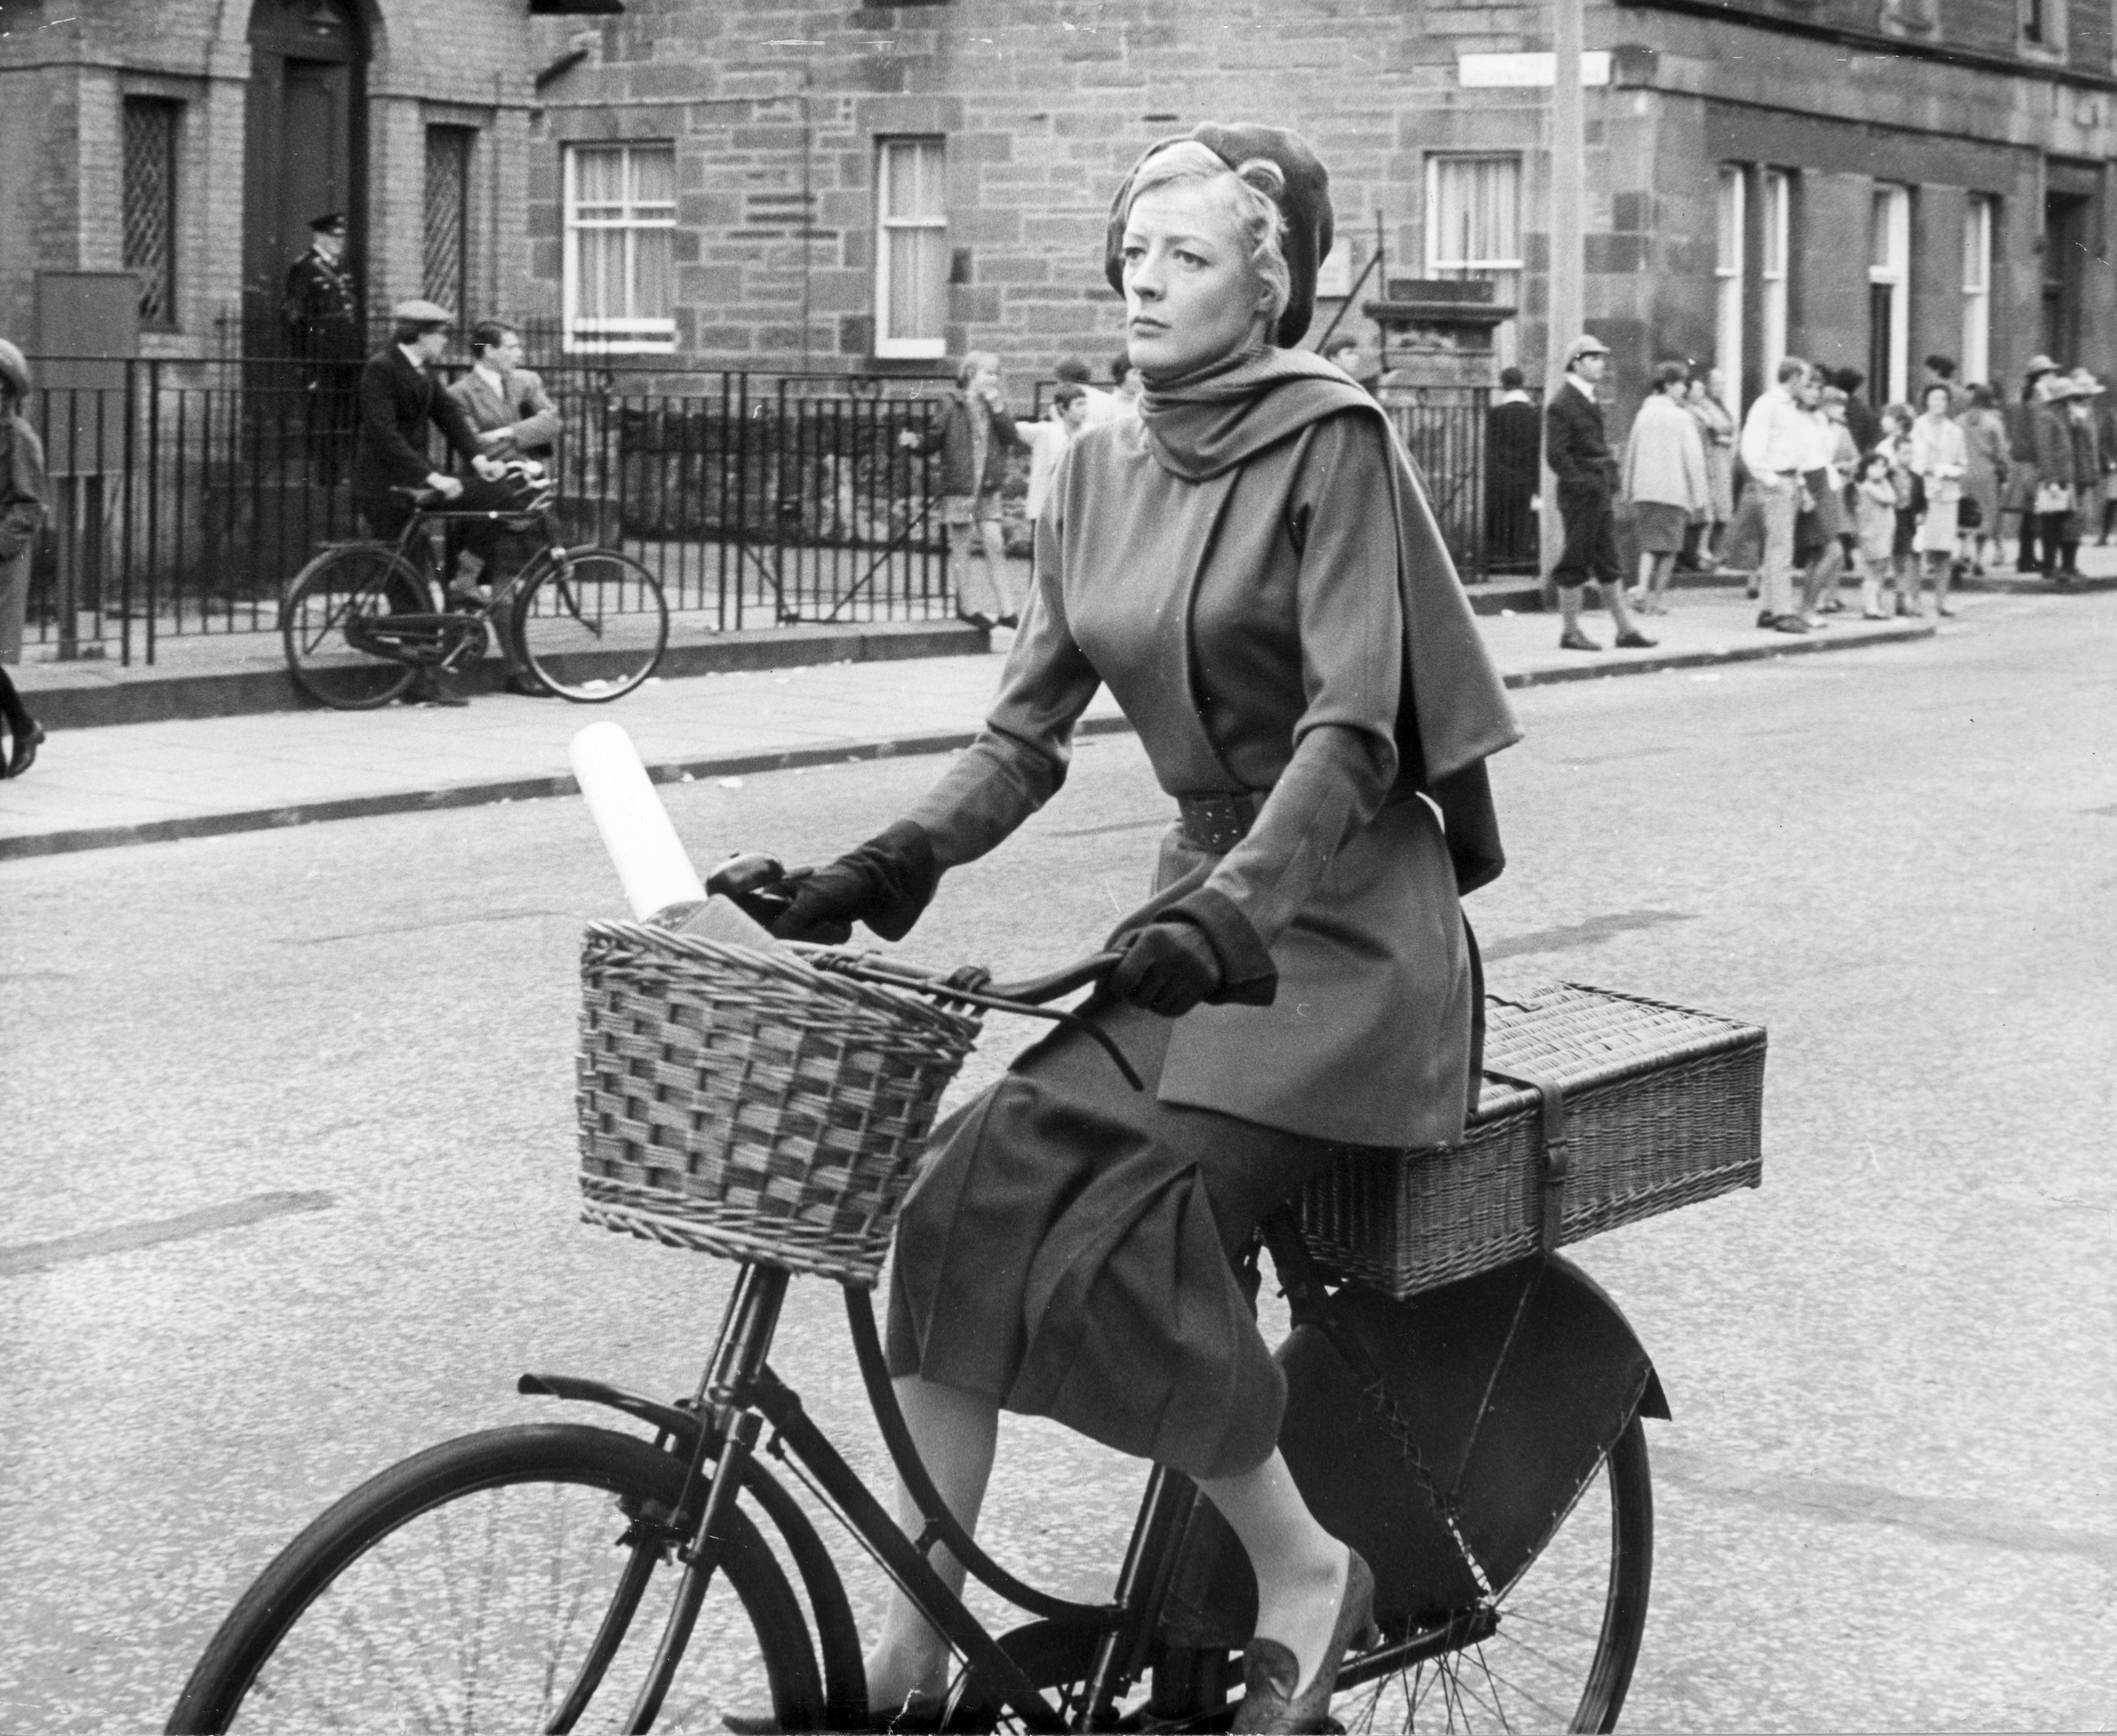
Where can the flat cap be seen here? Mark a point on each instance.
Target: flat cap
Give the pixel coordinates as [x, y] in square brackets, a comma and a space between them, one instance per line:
[331, 222]
[422, 312]
[2040, 365]
[1586, 345]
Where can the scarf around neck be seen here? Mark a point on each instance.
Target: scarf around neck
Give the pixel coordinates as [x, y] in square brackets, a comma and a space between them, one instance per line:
[1202, 425]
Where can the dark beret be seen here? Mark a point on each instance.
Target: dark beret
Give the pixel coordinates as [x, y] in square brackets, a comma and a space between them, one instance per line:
[1305, 204]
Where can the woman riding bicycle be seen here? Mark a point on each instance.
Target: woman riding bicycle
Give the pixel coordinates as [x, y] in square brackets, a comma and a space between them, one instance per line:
[1252, 569]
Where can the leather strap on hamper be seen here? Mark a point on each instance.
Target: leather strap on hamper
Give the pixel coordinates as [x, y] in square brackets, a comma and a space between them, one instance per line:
[1556, 1154]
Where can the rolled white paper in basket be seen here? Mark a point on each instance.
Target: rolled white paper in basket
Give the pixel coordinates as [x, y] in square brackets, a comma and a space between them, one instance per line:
[649, 857]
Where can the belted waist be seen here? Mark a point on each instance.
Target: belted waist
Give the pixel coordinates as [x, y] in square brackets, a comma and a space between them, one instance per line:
[1220, 819]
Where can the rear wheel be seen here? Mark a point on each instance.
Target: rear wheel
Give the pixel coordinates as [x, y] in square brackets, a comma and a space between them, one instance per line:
[517, 1581]
[339, 586]
[1565, 1635]
[591, 625]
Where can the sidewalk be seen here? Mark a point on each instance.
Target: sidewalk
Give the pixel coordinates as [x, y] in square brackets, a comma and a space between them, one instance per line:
[187, 778]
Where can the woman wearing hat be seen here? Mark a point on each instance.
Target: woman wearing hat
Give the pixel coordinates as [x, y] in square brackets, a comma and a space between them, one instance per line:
[25, 497]
[2019, 502]
[2056, 501]
[2089, 461]
[1251, 567]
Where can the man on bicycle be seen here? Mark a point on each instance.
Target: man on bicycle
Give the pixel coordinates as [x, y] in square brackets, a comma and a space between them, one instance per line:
[399, 399]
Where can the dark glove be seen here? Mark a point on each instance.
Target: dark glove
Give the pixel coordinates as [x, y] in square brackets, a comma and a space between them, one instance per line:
[1168, 968]
[887, 882]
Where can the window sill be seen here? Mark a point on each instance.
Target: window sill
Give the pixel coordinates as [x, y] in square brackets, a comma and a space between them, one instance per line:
[911, 349]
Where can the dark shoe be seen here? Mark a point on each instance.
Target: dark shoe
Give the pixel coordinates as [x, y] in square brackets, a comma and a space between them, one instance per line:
[982, 623]
[1576, 640]
[1765, 618]
[1788, 624]
[527, 685]
[1635, 640]
[1009, 621]
[1269, 1706]
[27, 742]
[436, 695]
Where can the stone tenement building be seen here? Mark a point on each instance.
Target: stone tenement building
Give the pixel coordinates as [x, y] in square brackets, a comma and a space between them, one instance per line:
[869, 189]
[789, 185]
[189, 141]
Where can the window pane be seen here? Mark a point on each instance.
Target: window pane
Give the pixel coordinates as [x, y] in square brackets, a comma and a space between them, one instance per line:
[1729, 255]
[599, 176]
[654, 286]
[654, 174]
[918, 282]
[1475, 219]
[601, 292]
[149, 214]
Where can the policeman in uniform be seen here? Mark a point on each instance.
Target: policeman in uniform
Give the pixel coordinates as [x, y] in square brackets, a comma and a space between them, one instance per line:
[322, 306]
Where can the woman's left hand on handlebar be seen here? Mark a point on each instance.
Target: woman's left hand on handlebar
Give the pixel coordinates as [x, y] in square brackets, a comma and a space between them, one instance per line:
[1169, 968]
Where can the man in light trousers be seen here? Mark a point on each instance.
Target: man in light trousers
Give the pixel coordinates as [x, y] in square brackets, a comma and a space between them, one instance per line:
[1775, 436]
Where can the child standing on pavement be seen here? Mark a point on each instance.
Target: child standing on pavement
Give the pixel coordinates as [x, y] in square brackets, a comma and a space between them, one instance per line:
[1875, 528]
[1896, 445]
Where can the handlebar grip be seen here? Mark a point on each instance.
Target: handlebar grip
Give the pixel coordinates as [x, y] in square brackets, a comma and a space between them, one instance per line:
[1035, 991]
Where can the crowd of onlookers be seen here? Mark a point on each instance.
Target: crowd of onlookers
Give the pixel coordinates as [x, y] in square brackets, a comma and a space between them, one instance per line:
[1817, 485]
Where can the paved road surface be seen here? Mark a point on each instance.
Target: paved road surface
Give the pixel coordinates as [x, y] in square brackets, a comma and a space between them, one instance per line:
[288, 1189]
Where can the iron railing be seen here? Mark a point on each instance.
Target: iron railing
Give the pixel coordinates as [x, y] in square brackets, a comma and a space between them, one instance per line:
[187, 494]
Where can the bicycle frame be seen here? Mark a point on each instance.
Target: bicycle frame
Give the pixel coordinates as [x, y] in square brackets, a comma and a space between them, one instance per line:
[718, 1430]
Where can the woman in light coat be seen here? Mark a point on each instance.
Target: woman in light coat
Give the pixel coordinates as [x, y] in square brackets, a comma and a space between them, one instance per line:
[1665, 478]
[1716, 427]
[1984, 445]
[1940, 458]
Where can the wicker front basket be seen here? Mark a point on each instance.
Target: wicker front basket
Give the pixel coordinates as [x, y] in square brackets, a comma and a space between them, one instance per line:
[745, 1103]
[1664, 1107]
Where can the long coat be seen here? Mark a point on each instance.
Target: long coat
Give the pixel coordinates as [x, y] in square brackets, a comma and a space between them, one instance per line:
[399, 400]
[1665, 458]
[1254, 622]
[956, 444]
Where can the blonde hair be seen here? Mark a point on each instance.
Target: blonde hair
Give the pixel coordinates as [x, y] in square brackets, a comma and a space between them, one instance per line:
[972, 361]
[1254, 190]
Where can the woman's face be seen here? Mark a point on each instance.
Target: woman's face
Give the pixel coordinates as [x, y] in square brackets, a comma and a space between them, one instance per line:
[1938, 398]
[1190, 295]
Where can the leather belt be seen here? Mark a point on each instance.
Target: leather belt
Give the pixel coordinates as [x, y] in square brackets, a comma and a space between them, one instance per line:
[1218, 821]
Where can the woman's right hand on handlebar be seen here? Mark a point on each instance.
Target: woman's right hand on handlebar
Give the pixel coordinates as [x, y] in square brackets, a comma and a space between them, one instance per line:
[885, 883]
[445, 485]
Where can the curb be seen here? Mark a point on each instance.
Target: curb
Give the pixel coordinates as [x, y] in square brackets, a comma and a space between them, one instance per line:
[734, 765]
[124, 696]
[1787, 646]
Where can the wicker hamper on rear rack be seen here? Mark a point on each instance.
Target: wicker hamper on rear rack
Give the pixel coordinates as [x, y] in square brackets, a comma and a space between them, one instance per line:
[1655, 1108]
[746, 1104]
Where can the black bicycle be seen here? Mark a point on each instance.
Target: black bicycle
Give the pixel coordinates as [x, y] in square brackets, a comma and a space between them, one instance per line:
[1481, 1445]
[360, 624]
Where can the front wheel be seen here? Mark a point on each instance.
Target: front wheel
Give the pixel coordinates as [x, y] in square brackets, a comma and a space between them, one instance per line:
[1563, 1637]
[516, 1580]
[592, 625]
[334, 593]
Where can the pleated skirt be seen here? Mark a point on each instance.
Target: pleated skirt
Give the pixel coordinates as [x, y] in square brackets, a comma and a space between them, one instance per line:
[1067, 1252]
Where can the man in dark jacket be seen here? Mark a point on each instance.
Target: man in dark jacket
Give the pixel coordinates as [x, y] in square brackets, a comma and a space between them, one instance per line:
[322, 308]
[399, 401]
[1513, 429]
[1578, 452]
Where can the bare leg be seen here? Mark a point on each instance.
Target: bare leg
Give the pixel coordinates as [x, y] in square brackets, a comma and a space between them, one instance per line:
[1300, 1567]
[1943, 573]
[955, 1434]
[1569, 610]
[1005, 601]
[1648, 562]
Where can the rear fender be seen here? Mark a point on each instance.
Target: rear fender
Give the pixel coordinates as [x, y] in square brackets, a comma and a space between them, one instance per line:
[1445, 1438]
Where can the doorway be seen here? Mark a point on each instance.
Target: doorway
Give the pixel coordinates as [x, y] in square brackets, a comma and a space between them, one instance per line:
[306, 150]
[2066, 249]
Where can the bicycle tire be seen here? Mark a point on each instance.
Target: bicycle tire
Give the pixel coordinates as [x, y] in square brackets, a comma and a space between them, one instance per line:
[369, 578]
[591, 625]
[1553, 1642]
[409, 1605]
